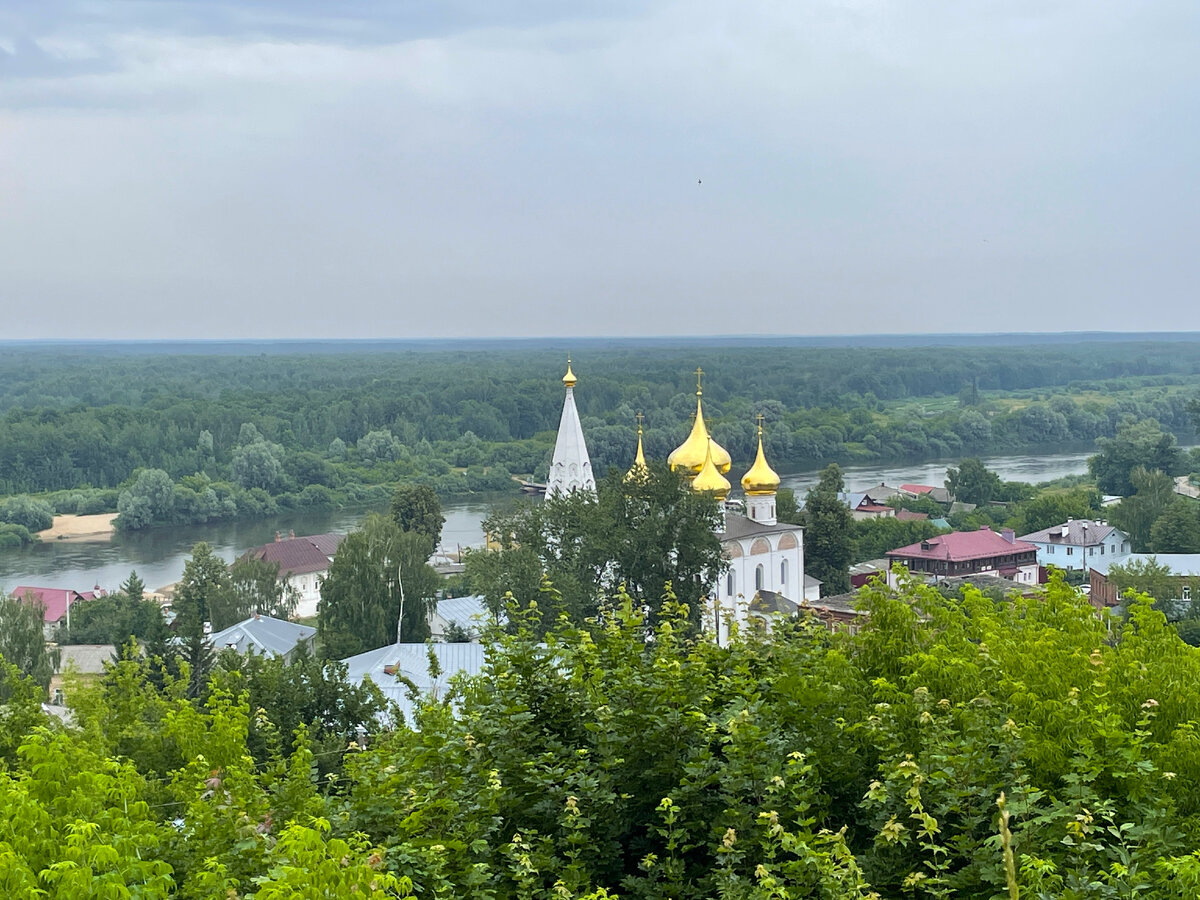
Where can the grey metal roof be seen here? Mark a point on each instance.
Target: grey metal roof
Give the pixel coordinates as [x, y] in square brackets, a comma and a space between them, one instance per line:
[466, 611]
[1080, 533]
[411, 660]
[740, 526]
[1178, 563]
[263, 634]
[88, 659]
[809, 581]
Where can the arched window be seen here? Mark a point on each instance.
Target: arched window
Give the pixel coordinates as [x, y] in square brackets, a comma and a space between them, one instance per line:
[729, 585]
[783, 572]
[758, 578]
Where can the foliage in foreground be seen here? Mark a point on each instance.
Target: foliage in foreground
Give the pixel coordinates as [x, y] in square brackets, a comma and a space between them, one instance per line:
[633, 760]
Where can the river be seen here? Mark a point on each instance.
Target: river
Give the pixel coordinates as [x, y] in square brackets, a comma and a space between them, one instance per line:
[159, 554]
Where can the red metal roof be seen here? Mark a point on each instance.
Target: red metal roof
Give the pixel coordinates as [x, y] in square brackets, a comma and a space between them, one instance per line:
[917, 488]
[301, 555]
[960, 546]
[54, 599]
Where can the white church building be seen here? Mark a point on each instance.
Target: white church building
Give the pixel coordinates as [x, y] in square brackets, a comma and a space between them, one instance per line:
[765, 577]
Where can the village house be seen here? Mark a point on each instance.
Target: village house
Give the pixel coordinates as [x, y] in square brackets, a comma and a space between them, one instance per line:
[56, 603]
[1184, 571]
[266, 636]
[399, 669]
[962, 553]
[936, 494]
[83, 661]
[1076, 543]
[303, 562]
[863, 507]
[470, 614]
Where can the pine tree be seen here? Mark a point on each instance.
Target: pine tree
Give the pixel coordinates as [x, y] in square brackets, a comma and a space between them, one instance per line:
[828, 534]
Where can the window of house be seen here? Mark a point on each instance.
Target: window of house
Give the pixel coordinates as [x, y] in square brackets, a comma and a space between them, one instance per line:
[1101, 549]
[1187, 592]
[1050, 550]
[783, 572]
[758, 578]
[1070, 551]
[729, 584]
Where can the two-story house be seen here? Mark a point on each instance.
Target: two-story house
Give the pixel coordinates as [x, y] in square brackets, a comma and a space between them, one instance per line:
[1078, 543]
[303, 562]
[963, 553]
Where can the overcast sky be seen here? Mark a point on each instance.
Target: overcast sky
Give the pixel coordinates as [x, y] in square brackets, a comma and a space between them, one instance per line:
[389, 168]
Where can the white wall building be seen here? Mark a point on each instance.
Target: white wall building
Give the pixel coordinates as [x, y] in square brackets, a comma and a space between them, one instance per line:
[1078, 543]
[570, 467]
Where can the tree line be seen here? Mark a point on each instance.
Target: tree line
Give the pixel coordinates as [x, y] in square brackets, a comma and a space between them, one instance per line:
[239, 436]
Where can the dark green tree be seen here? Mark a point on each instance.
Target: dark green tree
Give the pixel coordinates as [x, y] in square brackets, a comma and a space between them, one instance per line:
[304, 690]
[1137, 444]
[1055, 507]
[116, 618]
[786, 508]
[415, 507]
[1136, 515]
[35, 515]
[204, 588]
[1177, 530]
[257, 589]
[972, 482]
[22, 640]
[644, 533]
[828, 533]
[150, 500]
[376, 568]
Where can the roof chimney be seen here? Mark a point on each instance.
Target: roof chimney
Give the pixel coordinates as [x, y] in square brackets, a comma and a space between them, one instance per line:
[278, 537]
[1009, 535]
[292, 534]
[1066, 531]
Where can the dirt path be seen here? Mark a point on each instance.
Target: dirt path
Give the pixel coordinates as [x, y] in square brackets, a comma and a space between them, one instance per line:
[93, 528]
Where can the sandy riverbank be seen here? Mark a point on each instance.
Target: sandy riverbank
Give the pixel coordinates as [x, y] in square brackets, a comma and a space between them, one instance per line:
[92, 528]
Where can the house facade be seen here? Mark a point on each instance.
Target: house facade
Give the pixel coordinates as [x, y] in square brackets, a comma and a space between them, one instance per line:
[1184, 571]
[1077, 543]
[965, 553]
[56, 603]
[265, 636]
[303, 562]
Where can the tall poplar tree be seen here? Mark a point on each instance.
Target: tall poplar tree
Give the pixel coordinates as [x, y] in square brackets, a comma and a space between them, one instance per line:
[361, 595]
[828, 533]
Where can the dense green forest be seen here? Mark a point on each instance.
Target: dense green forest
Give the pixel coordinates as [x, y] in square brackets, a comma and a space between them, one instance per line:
[193, 436]
[955, 746]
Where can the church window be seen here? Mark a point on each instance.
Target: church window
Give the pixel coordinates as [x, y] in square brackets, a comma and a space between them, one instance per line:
[758, 578]
[783, 572]
[729, 584]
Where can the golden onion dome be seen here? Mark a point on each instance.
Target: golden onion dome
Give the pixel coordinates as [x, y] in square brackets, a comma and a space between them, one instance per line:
[761, 479]
[709, 480]
[720, 457]
[689, 456]
[569, 379]
[639, 469]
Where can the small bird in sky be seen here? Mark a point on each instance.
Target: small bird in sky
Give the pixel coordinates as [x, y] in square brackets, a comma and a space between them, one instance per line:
[698, 181]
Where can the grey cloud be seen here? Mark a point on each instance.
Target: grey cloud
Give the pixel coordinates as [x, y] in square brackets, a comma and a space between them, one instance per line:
[262, 169]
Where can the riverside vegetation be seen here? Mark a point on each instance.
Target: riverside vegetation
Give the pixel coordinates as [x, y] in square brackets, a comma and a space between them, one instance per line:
[962, 746]
[193, 435]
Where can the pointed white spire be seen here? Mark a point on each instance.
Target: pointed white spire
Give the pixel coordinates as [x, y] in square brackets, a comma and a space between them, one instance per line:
[570, 469]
